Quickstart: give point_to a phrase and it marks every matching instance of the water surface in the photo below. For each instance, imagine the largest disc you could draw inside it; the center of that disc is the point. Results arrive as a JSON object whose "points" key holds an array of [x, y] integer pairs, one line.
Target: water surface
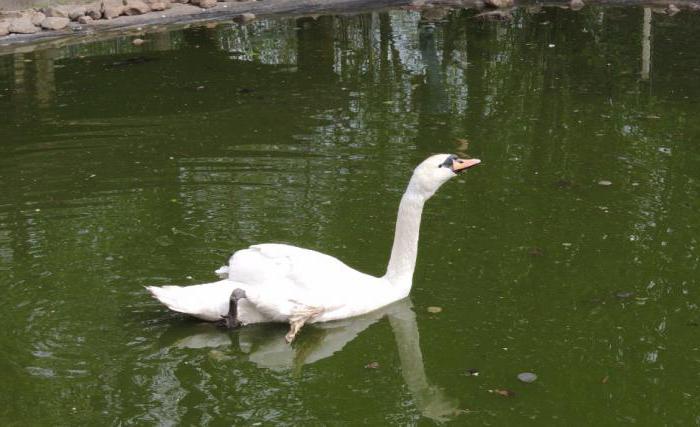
{"points": [[571, 252]]}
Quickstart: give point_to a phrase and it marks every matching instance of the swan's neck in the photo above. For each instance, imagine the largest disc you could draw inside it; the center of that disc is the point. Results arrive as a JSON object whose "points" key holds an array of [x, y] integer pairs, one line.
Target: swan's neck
{"points": [[403, 254]]}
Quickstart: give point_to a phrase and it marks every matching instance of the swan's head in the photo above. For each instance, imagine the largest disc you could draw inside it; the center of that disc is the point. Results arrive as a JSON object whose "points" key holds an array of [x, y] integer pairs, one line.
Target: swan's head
{"points": [[437, 170]]}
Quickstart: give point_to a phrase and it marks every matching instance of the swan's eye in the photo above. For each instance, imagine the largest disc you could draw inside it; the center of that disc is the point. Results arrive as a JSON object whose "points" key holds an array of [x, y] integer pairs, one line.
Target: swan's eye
{"points": [[448, 161]]}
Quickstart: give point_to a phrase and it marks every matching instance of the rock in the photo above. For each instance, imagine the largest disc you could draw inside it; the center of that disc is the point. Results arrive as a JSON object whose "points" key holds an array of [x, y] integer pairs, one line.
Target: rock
{"points": [[4, 28], [112, 8], [527, 377], [11, 14], [501, 4], [244, 18], [576, 4], [605, 183], [22, 26], [76, 12], [85, 19], [136, 7], [158, 5], [137, 42], [94, 10], [56, 11], [672, 9], [54, 23], [204, 4], [37, 18]]}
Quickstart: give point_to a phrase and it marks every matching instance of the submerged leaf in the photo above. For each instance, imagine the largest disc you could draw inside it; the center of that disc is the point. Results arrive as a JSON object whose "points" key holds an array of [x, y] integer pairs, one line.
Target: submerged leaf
{"points": [[164, 240], [563, 183], [535, 251], [503, 392], [624, 294]]}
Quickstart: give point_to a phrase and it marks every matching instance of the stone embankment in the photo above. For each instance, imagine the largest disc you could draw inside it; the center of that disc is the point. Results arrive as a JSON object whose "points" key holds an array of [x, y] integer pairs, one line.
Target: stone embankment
{"points": [[60, 17], [61, 23]]}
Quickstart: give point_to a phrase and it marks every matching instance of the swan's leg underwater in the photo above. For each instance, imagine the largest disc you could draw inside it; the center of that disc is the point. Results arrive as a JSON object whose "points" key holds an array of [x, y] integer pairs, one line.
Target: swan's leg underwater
{"points": [[230, 321], [294, 327], [298, 320]]}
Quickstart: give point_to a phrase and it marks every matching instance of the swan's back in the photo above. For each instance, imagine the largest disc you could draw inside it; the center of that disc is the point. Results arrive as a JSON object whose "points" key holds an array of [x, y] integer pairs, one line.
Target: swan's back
{"points": [[272, 263]]}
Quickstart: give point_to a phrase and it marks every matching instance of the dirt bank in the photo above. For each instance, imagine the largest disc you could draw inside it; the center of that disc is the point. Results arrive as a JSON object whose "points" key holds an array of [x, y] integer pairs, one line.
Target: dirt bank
{"points": [[107, 18]]}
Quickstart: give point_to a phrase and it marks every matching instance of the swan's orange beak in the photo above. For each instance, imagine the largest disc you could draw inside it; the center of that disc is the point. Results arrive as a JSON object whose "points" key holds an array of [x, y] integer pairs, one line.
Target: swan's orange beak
{"points": [[460, 165]]}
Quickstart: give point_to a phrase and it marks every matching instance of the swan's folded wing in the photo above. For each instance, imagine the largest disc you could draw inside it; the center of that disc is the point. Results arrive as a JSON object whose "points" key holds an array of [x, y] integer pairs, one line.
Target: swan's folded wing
{"points": [[308, 271]]}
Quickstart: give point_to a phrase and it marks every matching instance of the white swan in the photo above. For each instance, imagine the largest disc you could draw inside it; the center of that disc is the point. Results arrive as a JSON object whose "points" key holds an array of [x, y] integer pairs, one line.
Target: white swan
{"points": [[282, 283]]}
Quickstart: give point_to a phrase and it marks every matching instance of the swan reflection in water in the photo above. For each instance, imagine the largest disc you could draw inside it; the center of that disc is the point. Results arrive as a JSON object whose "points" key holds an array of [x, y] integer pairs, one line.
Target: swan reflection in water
{"points": [[266, 348]]}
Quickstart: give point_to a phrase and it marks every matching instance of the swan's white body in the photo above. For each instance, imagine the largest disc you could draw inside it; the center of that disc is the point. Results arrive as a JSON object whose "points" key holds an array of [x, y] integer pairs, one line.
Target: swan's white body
{"points": [[284, 283], [280, 281]]}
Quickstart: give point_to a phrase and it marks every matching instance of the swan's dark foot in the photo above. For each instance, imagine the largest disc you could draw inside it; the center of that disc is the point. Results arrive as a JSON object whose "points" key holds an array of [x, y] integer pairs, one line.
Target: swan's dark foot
{"points": [[230, 321]]}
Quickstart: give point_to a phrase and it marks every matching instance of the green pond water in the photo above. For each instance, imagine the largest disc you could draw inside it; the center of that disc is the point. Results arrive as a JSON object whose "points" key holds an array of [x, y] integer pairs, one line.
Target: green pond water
{"points": [[572, 252]]}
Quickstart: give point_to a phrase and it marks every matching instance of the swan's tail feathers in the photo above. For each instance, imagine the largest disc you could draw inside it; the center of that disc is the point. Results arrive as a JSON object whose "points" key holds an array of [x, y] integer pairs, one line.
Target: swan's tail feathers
{"points": [[208, 301], [222, 272], [171, 296]]}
